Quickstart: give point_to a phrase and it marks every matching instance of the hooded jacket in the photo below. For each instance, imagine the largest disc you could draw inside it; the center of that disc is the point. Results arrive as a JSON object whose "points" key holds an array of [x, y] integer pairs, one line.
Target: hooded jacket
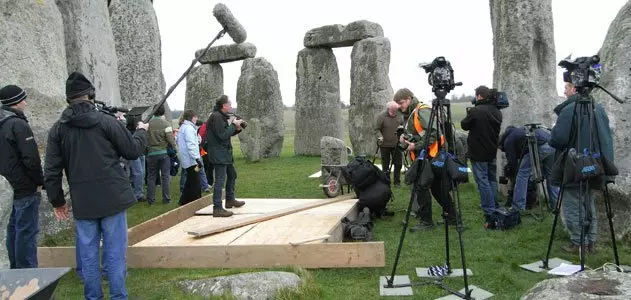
{"points": [[218, 134], [19, 158], [483, 123], [87, 144]]}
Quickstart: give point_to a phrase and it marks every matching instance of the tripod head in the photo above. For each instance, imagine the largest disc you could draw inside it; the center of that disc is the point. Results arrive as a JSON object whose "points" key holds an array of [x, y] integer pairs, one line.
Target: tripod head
{"points": [[441, 76], [584, 73]]}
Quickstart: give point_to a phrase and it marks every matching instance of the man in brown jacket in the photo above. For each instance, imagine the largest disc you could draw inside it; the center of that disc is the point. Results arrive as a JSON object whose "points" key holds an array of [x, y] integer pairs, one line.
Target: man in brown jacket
{"points": [[385, 127]]}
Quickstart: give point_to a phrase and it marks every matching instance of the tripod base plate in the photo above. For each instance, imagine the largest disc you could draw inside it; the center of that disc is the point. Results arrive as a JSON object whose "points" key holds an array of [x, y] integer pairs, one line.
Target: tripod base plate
{"points": [[476, 293], [395, 291], [423, 272], [538, 265]]}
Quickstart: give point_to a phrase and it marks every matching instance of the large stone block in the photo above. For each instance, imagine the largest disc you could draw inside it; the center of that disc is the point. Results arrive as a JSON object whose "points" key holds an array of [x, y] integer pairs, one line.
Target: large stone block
{"points": [[227, 53], [137, 43], [258, 96], [317, 105], [90, 46], [370, 90], [204, 84], [615, 56], [338, 35], [33, 57]]}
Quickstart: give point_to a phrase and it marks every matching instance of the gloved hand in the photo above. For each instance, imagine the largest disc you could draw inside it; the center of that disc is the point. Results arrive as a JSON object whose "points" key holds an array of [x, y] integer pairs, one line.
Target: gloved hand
{"points": [[379, 141]]}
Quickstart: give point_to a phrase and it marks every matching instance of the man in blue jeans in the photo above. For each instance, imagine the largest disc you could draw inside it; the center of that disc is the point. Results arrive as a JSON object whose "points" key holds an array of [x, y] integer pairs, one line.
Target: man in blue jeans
{"points": [[514, 144], [87, 144], [219, 129], [21, 166], [483, 123]]}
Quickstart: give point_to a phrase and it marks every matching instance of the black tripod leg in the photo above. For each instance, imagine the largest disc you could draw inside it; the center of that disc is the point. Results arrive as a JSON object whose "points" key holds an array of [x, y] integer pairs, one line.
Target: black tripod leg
{"points": [[554, 225], [610, 218]]}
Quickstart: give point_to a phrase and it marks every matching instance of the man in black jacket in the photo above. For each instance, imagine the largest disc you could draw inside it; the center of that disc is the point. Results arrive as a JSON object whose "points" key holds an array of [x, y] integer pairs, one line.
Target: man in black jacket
{"points": [[87, 144], [219, 129], [483, 123], [21, 166]]}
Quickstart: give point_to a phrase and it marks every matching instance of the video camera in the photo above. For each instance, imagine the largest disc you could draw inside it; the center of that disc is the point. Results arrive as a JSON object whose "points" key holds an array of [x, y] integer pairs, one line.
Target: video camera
{"points": [[500, 99], [243, 124], [441, 75], [582, 72]]}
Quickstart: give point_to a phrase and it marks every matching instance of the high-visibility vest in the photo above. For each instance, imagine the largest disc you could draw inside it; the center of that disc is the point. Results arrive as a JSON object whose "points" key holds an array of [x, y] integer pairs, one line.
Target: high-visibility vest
{"points": [[433, 148]]}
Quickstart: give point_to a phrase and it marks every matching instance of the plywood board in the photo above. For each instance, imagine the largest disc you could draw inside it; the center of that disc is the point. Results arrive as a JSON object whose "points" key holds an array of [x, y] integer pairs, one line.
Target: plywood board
{"points": [[260, 206], [299, 226], [324, 255]]}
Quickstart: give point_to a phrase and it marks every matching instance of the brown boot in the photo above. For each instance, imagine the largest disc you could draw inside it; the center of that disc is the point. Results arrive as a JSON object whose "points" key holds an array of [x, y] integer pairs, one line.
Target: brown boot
{"points": [[221, 213], [571, 248], [234, 203]]}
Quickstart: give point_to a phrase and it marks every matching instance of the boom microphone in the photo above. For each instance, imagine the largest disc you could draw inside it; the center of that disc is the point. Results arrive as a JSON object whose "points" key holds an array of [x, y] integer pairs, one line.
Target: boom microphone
{"points": [[229, 23]]}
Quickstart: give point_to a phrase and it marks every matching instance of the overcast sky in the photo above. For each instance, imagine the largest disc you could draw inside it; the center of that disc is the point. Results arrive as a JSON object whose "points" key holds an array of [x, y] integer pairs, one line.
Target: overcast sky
{"points": [[419, 30]]}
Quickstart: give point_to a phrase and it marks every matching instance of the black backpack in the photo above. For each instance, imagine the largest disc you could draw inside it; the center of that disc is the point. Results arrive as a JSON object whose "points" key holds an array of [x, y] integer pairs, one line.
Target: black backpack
{"points": [[362, 173]]}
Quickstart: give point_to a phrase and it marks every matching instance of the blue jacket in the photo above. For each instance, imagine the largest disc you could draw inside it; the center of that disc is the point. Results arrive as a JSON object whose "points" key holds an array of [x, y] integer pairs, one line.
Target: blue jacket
{"points": [[562, 137], [188, 144], [513, 143]]}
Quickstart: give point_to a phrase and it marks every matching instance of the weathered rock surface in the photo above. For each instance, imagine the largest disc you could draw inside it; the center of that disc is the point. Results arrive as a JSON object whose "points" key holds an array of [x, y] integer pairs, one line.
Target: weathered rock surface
{"points": [[137, 40], [317, 104], [333, 152], [250, 141], [615, 57], [32, 56], [204, 84], [525, 66], [227, 53], [370, 90], [250, 286], [583, 286], [524, 54], [90, 46], [258, 96], [338, 35]]}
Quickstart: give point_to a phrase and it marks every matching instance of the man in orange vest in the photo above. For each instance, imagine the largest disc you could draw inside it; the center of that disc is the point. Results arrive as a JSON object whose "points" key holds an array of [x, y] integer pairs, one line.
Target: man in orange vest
{"points": [[416, 120]]}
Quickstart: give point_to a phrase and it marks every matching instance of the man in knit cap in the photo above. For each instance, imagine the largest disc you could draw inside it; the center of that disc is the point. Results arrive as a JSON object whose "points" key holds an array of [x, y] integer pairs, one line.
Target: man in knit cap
{"points": [[21, 166]]}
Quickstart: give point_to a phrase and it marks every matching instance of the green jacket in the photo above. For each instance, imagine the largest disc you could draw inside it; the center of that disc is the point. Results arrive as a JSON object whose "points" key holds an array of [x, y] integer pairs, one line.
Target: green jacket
{"points": [[160, 135]]}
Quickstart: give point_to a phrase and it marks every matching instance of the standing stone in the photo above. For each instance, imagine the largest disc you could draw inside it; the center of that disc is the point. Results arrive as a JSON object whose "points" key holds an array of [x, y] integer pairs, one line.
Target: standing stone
{"points": [[525, 66], [203, 86], [137, 39], [32, 56], [258, 96], [250, 141], [615, 57], [317, 104], [370, 90], [90, 46]]}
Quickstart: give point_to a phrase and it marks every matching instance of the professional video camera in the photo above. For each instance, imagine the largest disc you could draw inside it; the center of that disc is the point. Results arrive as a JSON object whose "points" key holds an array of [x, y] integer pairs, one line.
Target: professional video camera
{"points": [[500, 99], [583, 72], [243, 124], [441, 75]]}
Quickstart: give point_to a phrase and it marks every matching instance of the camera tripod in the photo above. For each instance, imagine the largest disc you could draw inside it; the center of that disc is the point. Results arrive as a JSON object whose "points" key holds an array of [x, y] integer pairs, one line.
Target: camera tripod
{"points": [[536, 174], [585, 109], [439, 123]]}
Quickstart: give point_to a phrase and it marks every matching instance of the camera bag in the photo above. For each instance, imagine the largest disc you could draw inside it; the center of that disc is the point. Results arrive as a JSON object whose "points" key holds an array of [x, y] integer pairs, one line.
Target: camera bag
{"points": [[502, 219]]}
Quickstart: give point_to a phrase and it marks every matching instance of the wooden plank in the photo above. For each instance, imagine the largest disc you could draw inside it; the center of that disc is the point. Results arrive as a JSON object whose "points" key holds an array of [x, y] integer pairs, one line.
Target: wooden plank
{"points": [[300, 225], [337, 232], [260, 205], [324, 255], [166, 220], [260, 218], [313, 239]]}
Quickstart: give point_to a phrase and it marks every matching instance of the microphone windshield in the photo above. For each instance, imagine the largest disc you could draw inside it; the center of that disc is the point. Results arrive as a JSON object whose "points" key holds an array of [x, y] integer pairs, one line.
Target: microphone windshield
{"points": [[229, 23]]}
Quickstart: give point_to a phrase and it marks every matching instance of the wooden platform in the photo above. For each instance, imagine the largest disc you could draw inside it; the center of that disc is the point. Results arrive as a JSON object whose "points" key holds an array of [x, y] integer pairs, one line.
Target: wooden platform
{"points": [[163, 242]]}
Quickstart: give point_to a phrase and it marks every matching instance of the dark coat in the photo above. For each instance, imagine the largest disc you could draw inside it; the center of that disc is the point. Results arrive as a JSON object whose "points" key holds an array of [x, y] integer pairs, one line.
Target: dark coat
{"points": [[483, 123], [19, 158], [218, 134], [87, 144], [513, 143]]}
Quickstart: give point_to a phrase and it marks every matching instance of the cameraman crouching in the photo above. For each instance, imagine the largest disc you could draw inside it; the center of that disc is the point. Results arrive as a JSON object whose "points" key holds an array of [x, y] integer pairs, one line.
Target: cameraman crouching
{"points": [[513, 142], [416, 122], [385, 128], [483, 123]]}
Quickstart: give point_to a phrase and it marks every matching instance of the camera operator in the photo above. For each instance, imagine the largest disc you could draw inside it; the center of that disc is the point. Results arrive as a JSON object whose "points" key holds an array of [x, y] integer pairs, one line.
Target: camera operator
{"points": [[87, 144], [514, 144], [564, 136], [385, 128], [221, 127], [416, 116], [483, 122]]}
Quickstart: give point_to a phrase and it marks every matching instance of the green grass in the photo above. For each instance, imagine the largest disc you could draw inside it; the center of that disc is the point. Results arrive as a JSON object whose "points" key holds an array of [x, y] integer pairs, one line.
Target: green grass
{"points": [[493, 256]]}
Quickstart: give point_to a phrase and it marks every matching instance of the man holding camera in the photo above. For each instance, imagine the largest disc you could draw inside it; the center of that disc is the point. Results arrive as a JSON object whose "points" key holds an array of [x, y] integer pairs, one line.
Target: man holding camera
{"points": [[87, 144], [564, 136], [219, 130], [416, 116], [483, 123], [514, 143], [385, 129]]}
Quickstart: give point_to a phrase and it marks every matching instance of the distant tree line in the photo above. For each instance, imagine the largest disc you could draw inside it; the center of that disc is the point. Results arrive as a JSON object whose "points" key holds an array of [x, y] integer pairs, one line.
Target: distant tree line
{"points": [[461, 99]]}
